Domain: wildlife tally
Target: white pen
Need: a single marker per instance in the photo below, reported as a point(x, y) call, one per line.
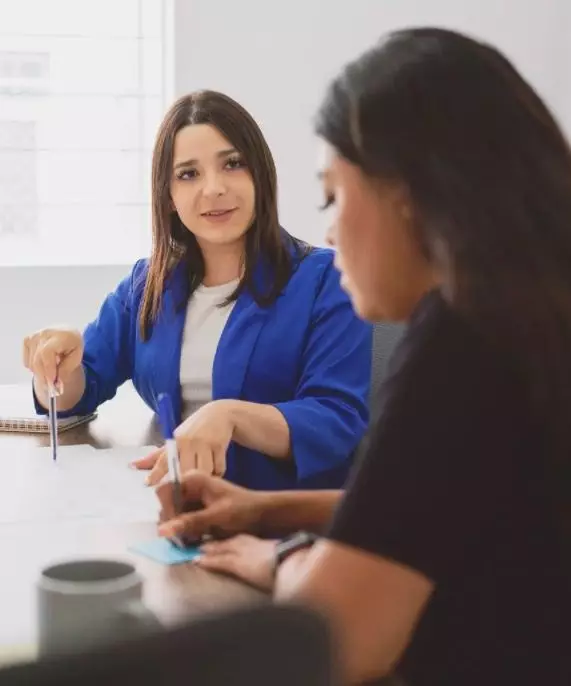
point(166, 419)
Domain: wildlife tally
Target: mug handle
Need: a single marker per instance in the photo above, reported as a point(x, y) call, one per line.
point(135, 619)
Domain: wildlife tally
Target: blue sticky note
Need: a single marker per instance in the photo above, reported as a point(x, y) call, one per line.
point(162, 550)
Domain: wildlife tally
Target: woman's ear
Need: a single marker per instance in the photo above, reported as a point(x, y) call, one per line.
point(402, 201)
point(406, 212)
point(405, 206)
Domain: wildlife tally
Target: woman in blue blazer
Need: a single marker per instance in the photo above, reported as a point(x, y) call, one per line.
point(244, 326)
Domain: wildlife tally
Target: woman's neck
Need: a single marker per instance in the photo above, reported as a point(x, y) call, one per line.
point(222, 264)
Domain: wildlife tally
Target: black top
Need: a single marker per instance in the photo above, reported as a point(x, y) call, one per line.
point(452, 485)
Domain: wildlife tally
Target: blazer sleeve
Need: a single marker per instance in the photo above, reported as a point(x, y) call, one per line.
point(108, 345)
point(330, 412)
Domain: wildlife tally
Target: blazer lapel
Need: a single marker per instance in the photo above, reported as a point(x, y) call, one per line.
point(236, 347)
point(169, 329)
point(239, 339)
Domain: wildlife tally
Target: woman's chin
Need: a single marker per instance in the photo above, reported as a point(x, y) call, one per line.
point(366, 310)
point(345, 284)
point(220, 236)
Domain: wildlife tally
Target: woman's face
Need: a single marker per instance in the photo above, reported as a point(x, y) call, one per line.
point(211, 188)
point(381, 265)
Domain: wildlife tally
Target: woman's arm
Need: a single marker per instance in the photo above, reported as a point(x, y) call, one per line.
point(373, 603)
point(287, 511)
point(216, 504)
point(329, 414)
point(260, 427)
point(107, 353)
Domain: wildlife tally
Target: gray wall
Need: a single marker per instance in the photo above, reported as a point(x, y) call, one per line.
point(34, 297)
point(276, 58)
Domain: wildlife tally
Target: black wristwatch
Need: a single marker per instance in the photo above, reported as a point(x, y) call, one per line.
point(291, 544)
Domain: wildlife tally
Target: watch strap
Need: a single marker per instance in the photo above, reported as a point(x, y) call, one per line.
point(291, 544)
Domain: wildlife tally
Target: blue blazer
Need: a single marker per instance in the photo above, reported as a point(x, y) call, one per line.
point(307, 354)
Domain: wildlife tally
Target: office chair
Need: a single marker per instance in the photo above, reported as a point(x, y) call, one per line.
point(386, 337)
point(259, 646)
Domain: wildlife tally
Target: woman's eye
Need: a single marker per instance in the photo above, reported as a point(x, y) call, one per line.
point(329, 200)
point(187, 174)
point(235, 163)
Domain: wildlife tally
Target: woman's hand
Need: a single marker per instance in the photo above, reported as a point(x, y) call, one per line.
point(246, 557)
point(52, 355)
point(202, 442)
point(210, 506)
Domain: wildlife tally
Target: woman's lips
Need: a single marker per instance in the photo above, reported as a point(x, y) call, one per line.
point(218, 216)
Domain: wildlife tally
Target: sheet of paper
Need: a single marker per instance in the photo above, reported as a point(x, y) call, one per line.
point(84, 483)
point(163, 551)
point(11, 654)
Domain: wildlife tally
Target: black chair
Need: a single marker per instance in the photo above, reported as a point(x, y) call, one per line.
point(261, 646)
point(386, 337)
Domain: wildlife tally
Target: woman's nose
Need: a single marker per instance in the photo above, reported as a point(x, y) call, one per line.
point(330, 236)
point(214, 185)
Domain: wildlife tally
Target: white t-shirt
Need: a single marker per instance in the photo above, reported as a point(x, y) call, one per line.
point(203, 327)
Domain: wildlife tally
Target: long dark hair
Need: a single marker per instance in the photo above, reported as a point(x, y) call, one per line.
point(489, 173)
point(173, 242)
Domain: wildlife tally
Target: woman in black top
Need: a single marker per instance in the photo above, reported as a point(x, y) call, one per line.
point(446, 560)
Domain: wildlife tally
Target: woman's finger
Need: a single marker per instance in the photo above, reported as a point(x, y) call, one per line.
point(37, 366)
point(205, 460)
point(225, 563)
point(148, 461)
point(194, 525)
point(48, 356)
point(236, 544)
point(219, 461)
point(158, 471)
point(26, 354)
point(67, 364)
point(218, 547)
point(186, 456)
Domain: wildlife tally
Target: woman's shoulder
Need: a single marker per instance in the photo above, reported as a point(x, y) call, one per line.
point(314, 263)
point(130, 289)
point(320, 254)
point(137, 277)
point(314, 274)
point(139, 272)
point(313, 255)
point(132, 285)
point(442, 350)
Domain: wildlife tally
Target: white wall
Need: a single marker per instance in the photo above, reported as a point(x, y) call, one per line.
point(276, 58)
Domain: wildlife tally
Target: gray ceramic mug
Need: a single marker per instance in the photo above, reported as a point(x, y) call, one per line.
point(85, 603)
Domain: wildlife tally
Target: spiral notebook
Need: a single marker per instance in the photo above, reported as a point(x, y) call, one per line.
point(17, 413)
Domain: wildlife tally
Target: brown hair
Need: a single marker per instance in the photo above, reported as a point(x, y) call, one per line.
point(174, 243)
point(489, 173)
